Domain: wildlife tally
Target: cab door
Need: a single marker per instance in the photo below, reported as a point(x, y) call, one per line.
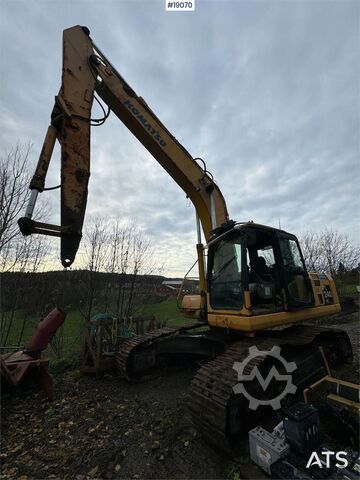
point(295, 278)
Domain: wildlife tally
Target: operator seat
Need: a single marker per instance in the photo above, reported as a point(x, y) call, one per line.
point(263, 286)
point(259, 270)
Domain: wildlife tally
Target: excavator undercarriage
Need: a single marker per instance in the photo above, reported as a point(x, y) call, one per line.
point(220, 414)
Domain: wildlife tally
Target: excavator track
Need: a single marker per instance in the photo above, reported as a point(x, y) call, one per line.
point(220, 415)
point(137, 356)
point(134, 357)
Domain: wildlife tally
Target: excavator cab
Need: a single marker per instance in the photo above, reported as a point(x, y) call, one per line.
point(257, 278)
point(265, 262)
point(257, 271)
point(277, 273)
point(295, 278)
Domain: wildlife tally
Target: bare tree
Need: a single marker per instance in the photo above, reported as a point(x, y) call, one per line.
point(328, 251)
point(96, 252)
point(118, 265)
point(118, 260)
point(14, 190)
point(17, 254)
point(141, 255)
point(131, 258)
point(311, 249)
point(338, 249)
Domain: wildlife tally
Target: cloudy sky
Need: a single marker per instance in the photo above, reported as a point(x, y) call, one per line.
point(267, 92)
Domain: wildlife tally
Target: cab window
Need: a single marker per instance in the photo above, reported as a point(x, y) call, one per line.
point(225, 280)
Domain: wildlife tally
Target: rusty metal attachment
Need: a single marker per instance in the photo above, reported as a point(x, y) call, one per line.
point(70, 125)
point(86, 70)
point(16, 366)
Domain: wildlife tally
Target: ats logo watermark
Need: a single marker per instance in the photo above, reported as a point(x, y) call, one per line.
point(326, 458)
point(247, 372)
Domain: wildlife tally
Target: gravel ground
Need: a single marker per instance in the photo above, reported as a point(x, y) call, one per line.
point(108, 428)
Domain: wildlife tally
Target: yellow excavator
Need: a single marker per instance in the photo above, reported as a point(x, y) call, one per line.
point(253, 286)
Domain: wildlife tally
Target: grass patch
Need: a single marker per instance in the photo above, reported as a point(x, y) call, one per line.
point(166, 311)
point(346, 289)
point(68, 338)
point(22, 327)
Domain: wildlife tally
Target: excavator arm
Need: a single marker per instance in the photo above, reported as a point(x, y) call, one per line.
point(86, 71)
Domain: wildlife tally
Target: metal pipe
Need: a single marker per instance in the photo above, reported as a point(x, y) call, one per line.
point(198, 228)
point(201, 264)
point(38, 180)
point(31, 205)
point(212, 211)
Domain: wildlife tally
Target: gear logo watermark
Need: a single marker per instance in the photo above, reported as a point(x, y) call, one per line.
point(246, 374)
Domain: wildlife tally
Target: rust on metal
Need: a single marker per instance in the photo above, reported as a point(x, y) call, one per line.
point(16, 366)
point(74, 102)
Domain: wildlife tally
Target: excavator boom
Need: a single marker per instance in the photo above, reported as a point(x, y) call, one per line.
point(86, 71)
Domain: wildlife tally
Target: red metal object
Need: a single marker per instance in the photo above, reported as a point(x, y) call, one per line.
point(45, 331)
point(16, 366)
